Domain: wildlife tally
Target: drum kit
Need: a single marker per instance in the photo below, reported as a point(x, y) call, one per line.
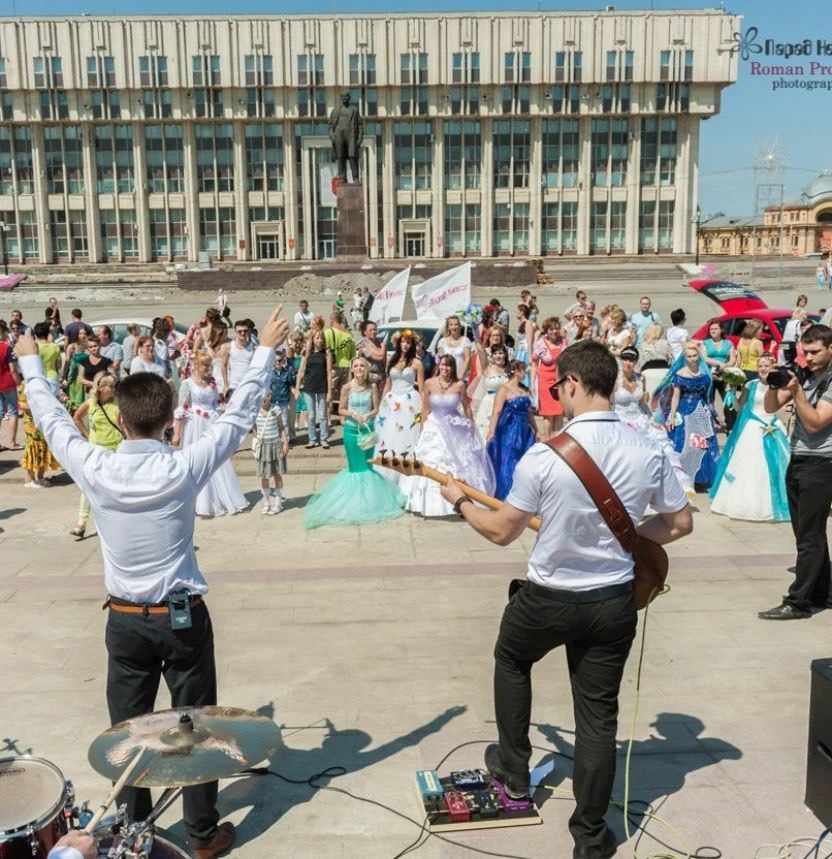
point(171, 749)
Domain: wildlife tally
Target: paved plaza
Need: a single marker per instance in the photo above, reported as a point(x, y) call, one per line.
point(372, 647)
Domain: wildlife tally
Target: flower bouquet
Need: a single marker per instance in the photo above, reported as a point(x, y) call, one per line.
point(734, 380)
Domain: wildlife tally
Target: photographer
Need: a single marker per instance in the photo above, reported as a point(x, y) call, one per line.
point(809, 476)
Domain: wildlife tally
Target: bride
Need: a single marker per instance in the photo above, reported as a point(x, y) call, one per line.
point(449, 443)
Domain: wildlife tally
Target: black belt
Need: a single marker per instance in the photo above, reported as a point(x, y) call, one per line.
point(594, 595)
point(127, 607)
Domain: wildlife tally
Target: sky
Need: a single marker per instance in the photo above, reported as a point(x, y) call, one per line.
point(798, 120)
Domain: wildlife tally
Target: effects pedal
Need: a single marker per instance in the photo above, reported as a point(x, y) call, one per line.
point(465, 780)
point(458, 810)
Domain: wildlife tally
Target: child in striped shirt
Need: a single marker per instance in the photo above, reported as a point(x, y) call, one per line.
point(270, 448)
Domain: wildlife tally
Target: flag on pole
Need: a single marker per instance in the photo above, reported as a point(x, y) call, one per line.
point(388, 303)
point(444, 294)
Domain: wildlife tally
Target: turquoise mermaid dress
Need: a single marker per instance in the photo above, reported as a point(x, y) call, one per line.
point(357, 495)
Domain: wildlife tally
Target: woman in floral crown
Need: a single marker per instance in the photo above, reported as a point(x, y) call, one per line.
point(199, 405)
point(399, 418)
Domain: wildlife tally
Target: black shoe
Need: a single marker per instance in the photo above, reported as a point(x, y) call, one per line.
point(604, 850)
point(494, 764)
point(783, 612)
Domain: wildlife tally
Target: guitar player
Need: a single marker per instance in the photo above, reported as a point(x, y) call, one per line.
point(578, 591)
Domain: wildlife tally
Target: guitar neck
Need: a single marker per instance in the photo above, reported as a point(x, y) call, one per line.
point(422, 470)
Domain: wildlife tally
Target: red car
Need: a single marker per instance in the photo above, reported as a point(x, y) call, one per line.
point(739, 305)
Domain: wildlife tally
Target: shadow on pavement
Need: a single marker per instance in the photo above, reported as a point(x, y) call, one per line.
point(659, 765)
point(268, 798)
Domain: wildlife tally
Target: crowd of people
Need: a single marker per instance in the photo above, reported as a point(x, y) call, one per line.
point(472, 406)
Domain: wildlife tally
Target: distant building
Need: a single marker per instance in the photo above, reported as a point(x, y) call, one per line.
point(804, 228)
point(490, 134)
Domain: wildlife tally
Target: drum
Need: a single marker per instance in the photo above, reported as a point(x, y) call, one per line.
point(33, 793)
point(164, 847)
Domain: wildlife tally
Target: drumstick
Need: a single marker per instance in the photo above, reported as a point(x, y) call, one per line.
point(122, 780)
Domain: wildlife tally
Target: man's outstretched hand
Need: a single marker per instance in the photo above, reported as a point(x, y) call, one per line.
point(26, 345)
point(275, 331)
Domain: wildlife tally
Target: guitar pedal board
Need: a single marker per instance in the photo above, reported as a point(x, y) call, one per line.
point(470, 799)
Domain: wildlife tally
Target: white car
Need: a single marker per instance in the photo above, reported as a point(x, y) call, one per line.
point(119, 328)
point(430, 330)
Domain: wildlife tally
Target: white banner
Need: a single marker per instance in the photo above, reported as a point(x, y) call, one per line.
point(389, 300)
point(444, 294)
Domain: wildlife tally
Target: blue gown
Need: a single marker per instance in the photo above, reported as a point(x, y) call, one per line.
point(357, 495)
point(694, 435)
point(513, 436)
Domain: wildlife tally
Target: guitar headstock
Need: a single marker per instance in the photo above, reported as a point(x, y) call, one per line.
point(403, 464)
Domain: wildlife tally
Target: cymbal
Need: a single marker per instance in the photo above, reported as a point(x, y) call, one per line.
point(185, 746)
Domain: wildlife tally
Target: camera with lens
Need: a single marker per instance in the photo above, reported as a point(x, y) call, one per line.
point(779, 377)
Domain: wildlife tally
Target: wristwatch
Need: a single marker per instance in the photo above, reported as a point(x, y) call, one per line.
point(458, 505)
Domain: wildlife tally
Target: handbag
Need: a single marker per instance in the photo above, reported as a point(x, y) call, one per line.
point(369, 439)
point(650, 559)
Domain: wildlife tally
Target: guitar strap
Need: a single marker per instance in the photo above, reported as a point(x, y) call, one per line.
point(600, 491)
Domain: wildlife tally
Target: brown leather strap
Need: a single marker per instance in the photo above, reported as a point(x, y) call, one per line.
point(145, 609)
point(600, 491)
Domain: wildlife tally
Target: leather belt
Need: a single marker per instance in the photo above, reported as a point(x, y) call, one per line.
point(142, 608)
point(595, 595)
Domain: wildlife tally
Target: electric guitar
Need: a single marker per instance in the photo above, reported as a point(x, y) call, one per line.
point(650, 559)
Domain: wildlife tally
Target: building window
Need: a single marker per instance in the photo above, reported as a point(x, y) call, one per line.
point(568, 66)
point(413, 77)
point(565, 98)
point(311, 91)
point(550, 233)
point(165, 156)
point(512, 153)
point(363, 91)
point(666, 208)
point(610, 152)
point(16, 170)
point(520, 228)
point(647, 226)
point(59, 235)
point(667, 151)
point(618, 224)
point(465, 76)
point(207, 78)
point(119, 239)
point(153, 78)
point(3, 83)
point(664, 66)
point(616, 98)
point(101, 72)
point(502, 228)
point(462, 154)
point(78, 233)
point(569, 227)
point(11, 242)
point(453, 228)
point(49, 79)
point(598, 226)
point(6, 106)
point(259, 74)
point(63, 159)
point(473, 228)
point(413, 153)
point(217, 231)
point(673, 98)
point(168, 234)
point(688, 65)
point(517, 73)
point(561, 152)
point(114, 159)
point(264, 157)
point(214, 158)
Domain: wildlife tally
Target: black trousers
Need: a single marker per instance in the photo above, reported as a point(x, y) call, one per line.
point(141, 650)
point(597, 637)
point(809, 489)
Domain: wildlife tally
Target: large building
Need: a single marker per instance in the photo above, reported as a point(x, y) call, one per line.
point(800, 227)
point(493, 134)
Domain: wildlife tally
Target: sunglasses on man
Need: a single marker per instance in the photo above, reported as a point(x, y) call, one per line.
point(554, 390)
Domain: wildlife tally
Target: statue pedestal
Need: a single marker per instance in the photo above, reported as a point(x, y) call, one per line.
point(351, 236)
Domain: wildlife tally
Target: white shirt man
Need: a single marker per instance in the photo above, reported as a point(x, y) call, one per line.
point(303, 317)
point(236, 356)
point(578, 591)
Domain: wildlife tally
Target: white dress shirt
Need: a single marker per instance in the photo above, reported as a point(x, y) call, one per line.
point(575, 548)
point(144, 494)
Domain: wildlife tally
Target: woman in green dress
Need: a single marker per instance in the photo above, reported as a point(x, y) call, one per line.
point(357, 495)
point(76, 354)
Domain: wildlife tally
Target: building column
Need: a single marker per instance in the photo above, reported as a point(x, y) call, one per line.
point(487, 188)
point(438, 184)
point(140, 195)
point(290, 208)
point(584, 185)
point(241, 193)
point(371, 197)
point(191, 192)
point(41, 200)
point(692, 184)
point(633, 185)
point(389, 193)
point(94, 249)
point(536, 188)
